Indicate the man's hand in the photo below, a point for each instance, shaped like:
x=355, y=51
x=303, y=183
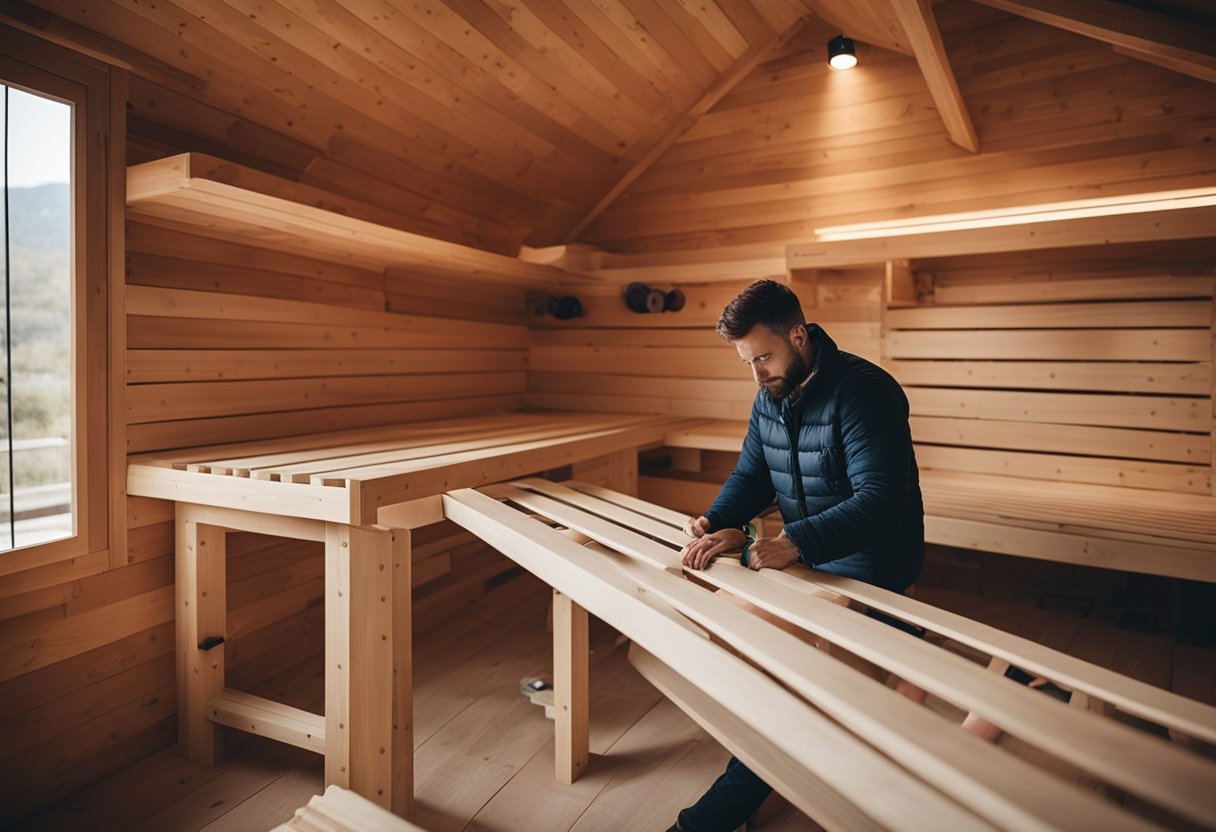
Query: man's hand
x=698, y=553
x=772, y=553
x=697, y=526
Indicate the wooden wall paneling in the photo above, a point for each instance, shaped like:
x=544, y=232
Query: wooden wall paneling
x=748, y=59
x=1031, y=436
x=1140, y=377
x=1212, y=371
x=1137, y=417
x=175, y=273
x=1191, y=479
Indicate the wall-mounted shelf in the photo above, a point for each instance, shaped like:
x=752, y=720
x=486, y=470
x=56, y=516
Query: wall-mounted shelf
x=1184, y=216
x=224, y=200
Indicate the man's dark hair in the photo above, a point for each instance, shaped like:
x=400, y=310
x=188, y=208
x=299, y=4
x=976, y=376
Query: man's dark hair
x=765, y=302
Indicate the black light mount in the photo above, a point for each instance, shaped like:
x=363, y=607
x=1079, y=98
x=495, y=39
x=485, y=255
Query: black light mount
x=644, y=299
x=841, y=53
x=564, y=307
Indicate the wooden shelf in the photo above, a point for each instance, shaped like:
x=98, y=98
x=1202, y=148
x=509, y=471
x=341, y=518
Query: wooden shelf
x=220, y=199
x=1185, y=218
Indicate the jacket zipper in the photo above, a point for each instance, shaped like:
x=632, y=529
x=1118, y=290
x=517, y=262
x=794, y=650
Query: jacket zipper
x=795, y=469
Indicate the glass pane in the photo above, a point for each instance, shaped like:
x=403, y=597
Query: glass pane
x=39, y=424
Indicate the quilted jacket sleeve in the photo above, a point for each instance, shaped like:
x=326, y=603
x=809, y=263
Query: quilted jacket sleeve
x=749, y=488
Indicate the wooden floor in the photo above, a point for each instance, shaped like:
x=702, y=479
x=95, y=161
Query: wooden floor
x=485, y=754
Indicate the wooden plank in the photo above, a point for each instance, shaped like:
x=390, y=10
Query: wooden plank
x=1115, y=376
x=1212, y=332
x=1150, y=702
x=316, y=466
x=184, y=303
x=634, y=504
x=167, y=402
x=318, y=502
x=1096, y=441
x=1114, y=472
x=199, y=185
x=368, y=722
x=689, y=496
x=1159, y=314
x=947, y=292
x=1052, y=344
x=1179, y=222
x=195, y=275
x=1084, y=550
x=256, y=715
x=380, y=486
x=201, y=589
x=1131, y=411
x=920, y=27
x=571, y=689
x=162, y=436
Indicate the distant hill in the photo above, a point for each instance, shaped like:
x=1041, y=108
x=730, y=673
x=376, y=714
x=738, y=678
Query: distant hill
x=40, y=218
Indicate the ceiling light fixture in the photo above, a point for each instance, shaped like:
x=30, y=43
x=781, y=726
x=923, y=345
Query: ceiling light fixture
x=841, y=54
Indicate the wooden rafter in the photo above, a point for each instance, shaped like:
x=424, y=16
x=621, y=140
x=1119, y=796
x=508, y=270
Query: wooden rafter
x=1184, y=46
x=741, y=68
x=921, y=29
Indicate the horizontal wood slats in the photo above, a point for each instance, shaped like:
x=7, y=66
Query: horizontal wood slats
x=1116, y=392
x=632, y=552
x=674, y=363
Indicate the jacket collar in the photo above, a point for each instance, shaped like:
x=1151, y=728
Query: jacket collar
x=825, y=353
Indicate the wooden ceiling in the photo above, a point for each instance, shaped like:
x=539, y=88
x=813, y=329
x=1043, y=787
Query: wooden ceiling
x=493, y=123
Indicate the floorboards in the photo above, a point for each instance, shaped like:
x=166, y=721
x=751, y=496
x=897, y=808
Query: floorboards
x=484, y=753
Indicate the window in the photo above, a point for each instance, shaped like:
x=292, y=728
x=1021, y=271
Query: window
x=61, y=332
x=37, y=427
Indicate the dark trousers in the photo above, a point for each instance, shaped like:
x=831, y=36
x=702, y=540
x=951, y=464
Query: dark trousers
x=731, y=800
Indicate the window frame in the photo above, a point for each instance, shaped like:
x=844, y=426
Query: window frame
x=98, y=148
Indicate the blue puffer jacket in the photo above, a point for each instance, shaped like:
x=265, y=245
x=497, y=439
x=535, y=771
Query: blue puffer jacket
x=839, y=459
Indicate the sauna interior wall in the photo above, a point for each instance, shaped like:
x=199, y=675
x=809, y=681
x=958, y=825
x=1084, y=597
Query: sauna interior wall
x=86, y=668
x=87, y=665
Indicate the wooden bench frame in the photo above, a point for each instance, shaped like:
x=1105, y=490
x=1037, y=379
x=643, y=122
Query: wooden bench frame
x=623, y=566
x=360, y=493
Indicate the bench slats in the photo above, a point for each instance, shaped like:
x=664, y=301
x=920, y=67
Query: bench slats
x=1004, y=790
x=1158, y=771
x=827, y=752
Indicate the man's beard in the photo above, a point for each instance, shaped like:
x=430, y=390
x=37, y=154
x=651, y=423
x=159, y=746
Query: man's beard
x=779, y=387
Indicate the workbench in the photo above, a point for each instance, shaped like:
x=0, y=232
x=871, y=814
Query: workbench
x=360, y=493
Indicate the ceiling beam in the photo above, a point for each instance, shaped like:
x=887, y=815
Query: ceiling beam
x=1181, y=45
x=740, y=69
x=1195, y=70
x=916, y=16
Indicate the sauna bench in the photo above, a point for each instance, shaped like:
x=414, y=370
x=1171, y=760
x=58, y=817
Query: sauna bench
x=742, y=653
x=1133, y=529
x=359, y=492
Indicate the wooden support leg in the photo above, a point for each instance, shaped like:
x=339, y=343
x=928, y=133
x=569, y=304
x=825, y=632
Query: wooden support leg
x=623, y=471
x=571, y=689
x=368, y=673
x=201, y=613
